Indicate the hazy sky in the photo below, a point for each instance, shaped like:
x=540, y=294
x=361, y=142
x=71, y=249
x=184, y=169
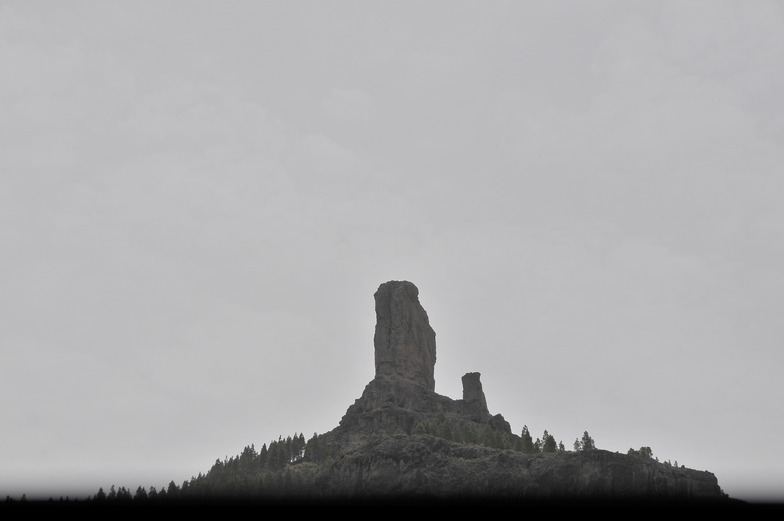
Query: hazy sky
x=199, y=199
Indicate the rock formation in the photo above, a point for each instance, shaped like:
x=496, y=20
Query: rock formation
x=404, y=341
x=390, y=442
x=474, y=403
x=402, y=393
x=401, y=442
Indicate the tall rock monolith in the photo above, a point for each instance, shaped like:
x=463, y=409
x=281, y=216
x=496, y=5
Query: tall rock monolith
x=402, y=394
x=405, y=344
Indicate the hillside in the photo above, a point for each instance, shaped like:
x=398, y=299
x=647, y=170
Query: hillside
x=400, y=441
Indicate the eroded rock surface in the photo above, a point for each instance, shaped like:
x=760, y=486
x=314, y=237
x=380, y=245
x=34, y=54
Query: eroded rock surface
x=402, y=392
x=474, y=403
x=405, y=344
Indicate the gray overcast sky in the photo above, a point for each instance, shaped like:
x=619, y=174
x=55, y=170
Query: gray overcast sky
x=199, y=199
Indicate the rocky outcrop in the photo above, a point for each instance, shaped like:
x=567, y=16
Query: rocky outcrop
x=405, y=344
x=474, y=403
x=401, y=394
x=392, y=443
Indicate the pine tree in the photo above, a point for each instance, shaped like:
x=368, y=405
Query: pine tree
x=288, y=449
x=141, y=494
x=527, y=444
x=300, y=446
x=587, y=442
x=263, y=456
x=247, y=460
x=123, y=494
x=548, y=443
x=313, y=449
x=278, y=455
x=645, y=452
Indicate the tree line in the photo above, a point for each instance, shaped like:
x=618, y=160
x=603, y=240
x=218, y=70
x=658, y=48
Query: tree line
x=284, y=466
x=277, y=469
x=484, y=434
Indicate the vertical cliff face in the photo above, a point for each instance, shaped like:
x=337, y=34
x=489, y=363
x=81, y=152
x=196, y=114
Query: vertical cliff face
x=474, y=403
x=405, y=344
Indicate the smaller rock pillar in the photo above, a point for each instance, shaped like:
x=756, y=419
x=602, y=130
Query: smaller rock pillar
x=474, y=403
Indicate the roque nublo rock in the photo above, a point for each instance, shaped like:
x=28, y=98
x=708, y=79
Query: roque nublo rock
x=401, y=442
x=402, y=393
x=404, y=341
x=391, y=442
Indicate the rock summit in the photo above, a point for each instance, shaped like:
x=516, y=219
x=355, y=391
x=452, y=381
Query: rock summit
x=402, y=393
x=402, y=440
